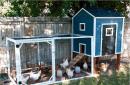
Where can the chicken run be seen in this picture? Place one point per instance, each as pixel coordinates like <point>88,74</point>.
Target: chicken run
<point>32,68</point>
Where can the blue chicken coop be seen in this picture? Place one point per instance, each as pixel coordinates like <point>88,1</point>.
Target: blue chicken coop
<point>105,25</point>
<point>95,32</point>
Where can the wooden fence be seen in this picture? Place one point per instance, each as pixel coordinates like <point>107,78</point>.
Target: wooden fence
<point>37,26</point>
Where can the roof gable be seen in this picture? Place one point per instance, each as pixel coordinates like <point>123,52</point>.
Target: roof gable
<point>82,9</point>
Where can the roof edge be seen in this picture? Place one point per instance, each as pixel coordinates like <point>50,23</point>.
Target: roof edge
<point>85,11</point>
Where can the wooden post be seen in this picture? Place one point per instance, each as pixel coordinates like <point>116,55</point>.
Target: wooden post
<point>118,61</point>
<point>96,62</point>
<point>95,70</point>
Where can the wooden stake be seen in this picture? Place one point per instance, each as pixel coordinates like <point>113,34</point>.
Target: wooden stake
<point>96,62</point>
<point>118,61</point>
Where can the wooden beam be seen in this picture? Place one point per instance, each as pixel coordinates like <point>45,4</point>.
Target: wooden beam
<point>118,61</point>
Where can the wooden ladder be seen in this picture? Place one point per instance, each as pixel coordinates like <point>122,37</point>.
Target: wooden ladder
<point>76,60</point>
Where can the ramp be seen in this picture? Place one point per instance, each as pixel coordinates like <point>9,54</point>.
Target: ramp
<point>76,60</point>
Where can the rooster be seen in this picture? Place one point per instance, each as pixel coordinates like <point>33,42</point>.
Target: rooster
<point>65,64</point>
<point>35,75</point>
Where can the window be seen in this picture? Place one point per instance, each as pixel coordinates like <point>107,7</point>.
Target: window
<point>82,48</point>
<point>109,31</point>
<point>82,26</point>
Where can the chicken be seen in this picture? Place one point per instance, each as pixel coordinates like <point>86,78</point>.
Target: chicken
<point>25,79</point>
<point>69,72</point>
<point>65,64</point>
<point>85,66</point>
<point>104,67</point>
<point>59,73</point>
<point>34,75</point>
<point>77,69</point>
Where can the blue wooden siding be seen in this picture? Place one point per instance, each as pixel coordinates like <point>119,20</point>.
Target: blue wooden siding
<point>99,23</point>
<point>86,41</point>
<point>119,36</point>
<point>83,17</point>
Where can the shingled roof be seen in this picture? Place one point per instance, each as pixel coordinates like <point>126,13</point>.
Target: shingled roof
<point>104,12</point>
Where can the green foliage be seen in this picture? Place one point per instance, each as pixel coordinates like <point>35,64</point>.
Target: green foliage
<point>60,8</point>
<point>114,79</point>
<point>24,8</point>
<point>1,2</point>
<point>120,6</point>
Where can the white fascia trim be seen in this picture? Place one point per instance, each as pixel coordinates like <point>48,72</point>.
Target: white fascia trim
<point>73,37</point>
<point>89,13</point>
<point>89,76</point>
<point>72,40</point>
<point>33,40</point>
<point>118,52</point>
<point>97,56</point>
<point>60,81</point>
<point>122,47</point>
<point>10,39</point>
<point>109,17</point>
<point>44,39</point>
<point>94,38</point>
<point>85,11</point>
<point>116,37</point>
<point>102,35</point>
<point>84,35</point>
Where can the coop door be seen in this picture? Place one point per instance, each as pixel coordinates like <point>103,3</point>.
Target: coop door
<point>108,39</point>
<point>82,48</point>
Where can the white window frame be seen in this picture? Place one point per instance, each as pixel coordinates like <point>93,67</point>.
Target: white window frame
<point>84,47</point>
<point>80,26</point>
<point>110,28</point>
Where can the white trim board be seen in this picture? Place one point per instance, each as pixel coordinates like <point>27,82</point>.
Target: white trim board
<point>122,47</point>
<point>85,11</point>
<point>56,82</point>
<point>94,38</point>
<point>108,17</point>
<point>44,39</point>
<point>102,35</point>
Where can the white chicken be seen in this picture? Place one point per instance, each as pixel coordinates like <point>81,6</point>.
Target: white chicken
<point>69,72</point>
<point>35,76</point>
<point>59,73</point>
<point>25,79</point>
<point>85,66</point>
<point>65,64</point>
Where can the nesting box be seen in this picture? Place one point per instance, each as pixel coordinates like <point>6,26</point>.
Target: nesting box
<point>105,25</point>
